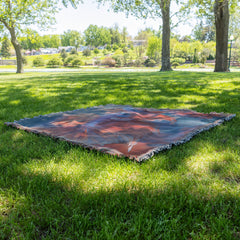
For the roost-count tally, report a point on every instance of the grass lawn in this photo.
(53, 190)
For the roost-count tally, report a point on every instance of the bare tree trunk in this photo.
(17, 48)
(15, 44)
(165, 8)
(221, 12)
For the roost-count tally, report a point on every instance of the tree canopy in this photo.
(71, 38)
(97, 36)
(22, 13)
(5, 49)
(234, 25)
(17, 15)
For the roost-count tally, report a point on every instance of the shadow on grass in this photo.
(48, 208)
(44, 201)
(70, 91)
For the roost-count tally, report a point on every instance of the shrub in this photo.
(126, 59)
(76, 62)
(180, 54)
(138, 62)
(109, 61)
(24, 60)
(122, 45)
(38, 62)
(63, 54)
(119, 60)
(211, 57)
(54, 62)
(118, 52)
(175, 64)
(203, 59)
(154, 48)
(74, 51)
(115, 46)
(131, 46)
(68, 60)
(86, 52)
(109, 48)
(195, 59)
(105, 52)
(97, 62)
(130, 63)
(73, 61)
(96, 50)
(125, 50)
(195, 56)
(178, 60)
(150, 62)
(236, 54)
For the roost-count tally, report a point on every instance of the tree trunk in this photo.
(17, 48)
(221, 12)
(165, 8)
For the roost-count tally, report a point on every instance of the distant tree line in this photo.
(113, 37)
(196, 48)
(93, 36)
(17, 15)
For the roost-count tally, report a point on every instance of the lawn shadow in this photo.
(56, 210)
(44, 200)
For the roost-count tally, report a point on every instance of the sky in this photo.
(88, 13)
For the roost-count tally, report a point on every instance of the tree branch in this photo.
(5, 23)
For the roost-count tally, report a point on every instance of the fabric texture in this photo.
(136, 133)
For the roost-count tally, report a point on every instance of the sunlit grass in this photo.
(53, 190)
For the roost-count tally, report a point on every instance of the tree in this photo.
(234, 25)
(205, 32)
(186, 38)
(165, 9)
(63, 54)
(221, 10)
(144, 9)
(72, 38)
(51, 41)
(15, 15)
(115, 35)
(154, 48)
(97, 36)
(5, 49)
(124, 35)
(31, 41)
(144, 35)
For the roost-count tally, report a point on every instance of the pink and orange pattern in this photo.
(136, 133)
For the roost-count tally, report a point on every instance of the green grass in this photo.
(196, 65)
(8, 67)
(53, 190)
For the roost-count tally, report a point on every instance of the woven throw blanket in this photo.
(136, 133)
